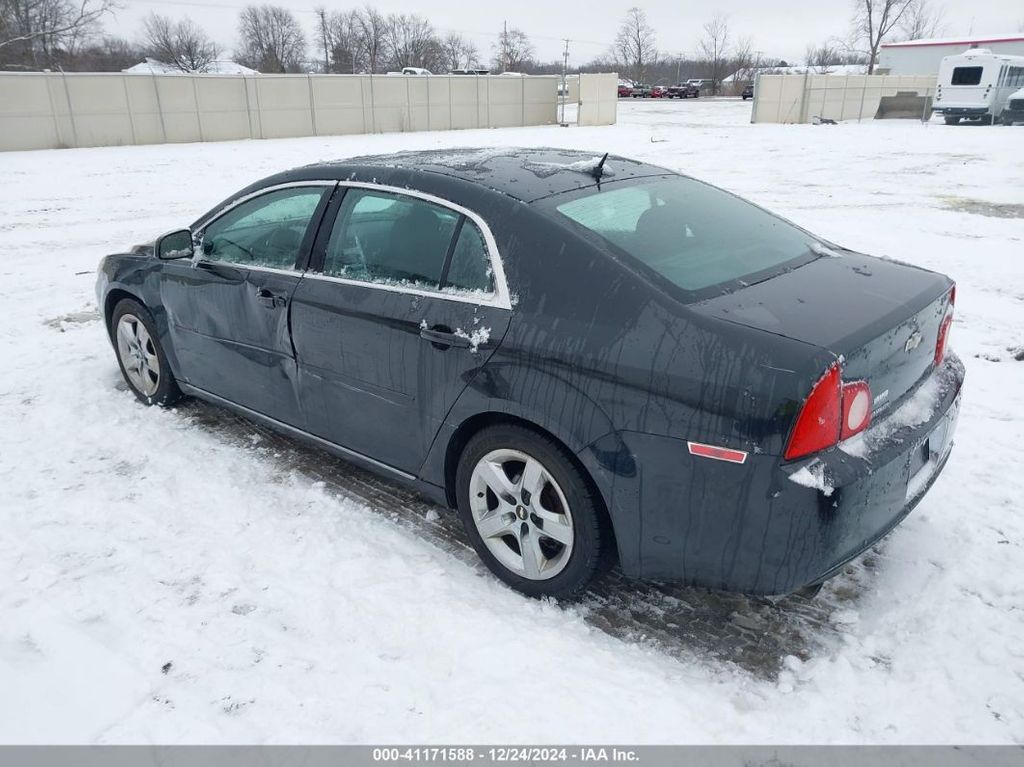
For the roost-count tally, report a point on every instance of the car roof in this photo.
(524, 174)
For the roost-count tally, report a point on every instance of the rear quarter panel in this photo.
(600, 358)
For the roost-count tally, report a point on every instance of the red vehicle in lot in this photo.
(659, 92)
(625, 91)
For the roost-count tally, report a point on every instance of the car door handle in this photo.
(270, 299)
(442, 336)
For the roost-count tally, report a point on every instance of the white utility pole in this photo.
(565, 90)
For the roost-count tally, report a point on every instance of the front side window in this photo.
(697, 237)
(391, 239)
(966, 75)
(265, 231)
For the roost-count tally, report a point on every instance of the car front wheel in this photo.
(141, 358)
(530, 512)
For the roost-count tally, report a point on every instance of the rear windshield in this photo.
(966, 75)
(699, 238)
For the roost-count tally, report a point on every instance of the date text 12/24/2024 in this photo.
(528, 754)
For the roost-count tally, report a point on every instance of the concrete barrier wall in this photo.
(599, 99)
(47, 111)
(801, 98)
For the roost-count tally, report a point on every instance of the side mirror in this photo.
(173, 245)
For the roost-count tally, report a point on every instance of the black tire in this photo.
(167, 391)
(951, 120)
(593, 548)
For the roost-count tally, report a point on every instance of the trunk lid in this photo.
(881, 317)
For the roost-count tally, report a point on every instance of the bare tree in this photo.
(372, 28)
(635, 44)
(338, 34)
(109, 54)
(36, 33)
(272, 39)
(513, 51)
(181, 44)
(714, 47)
(458, 52)
(922, 20)
(873, 22)
(823, 56)
(410, 41)
(744, 63)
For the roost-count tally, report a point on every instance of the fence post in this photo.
(408, 104)
(373, 108)
(248, 106)
(128, 106)
(195, 100)
(362, 101)
(259, 106)
(804, 97)
(71, 112)
(159, 106)
(312, 104)
(57, 137)
(522, 102)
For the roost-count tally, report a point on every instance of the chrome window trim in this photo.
(198, 258)
(500, 298)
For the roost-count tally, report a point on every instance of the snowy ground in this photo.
(185, 577)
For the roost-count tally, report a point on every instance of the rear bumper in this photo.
(961, 111)
(753, 527)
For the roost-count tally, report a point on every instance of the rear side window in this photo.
(966, 75)
(264, 231)
(391, 239)
(471, 266)
(698, 237)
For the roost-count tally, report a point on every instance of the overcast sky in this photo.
(778, 28)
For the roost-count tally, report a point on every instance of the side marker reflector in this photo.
(718, 453)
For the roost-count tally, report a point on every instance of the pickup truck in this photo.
(683, 91)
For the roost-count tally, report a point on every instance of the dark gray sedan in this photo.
(592, 360)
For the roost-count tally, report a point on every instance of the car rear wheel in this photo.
(530, 512)
(141, 358)
(952, 120)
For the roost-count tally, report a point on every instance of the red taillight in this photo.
(947, 322)
(856, 408)
(832, 412)
(817, 426)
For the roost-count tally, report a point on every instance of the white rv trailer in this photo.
(976, 85)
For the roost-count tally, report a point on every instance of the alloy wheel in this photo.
(521, 514)
(138, 354)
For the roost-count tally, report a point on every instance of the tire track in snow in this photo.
(754, 634)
